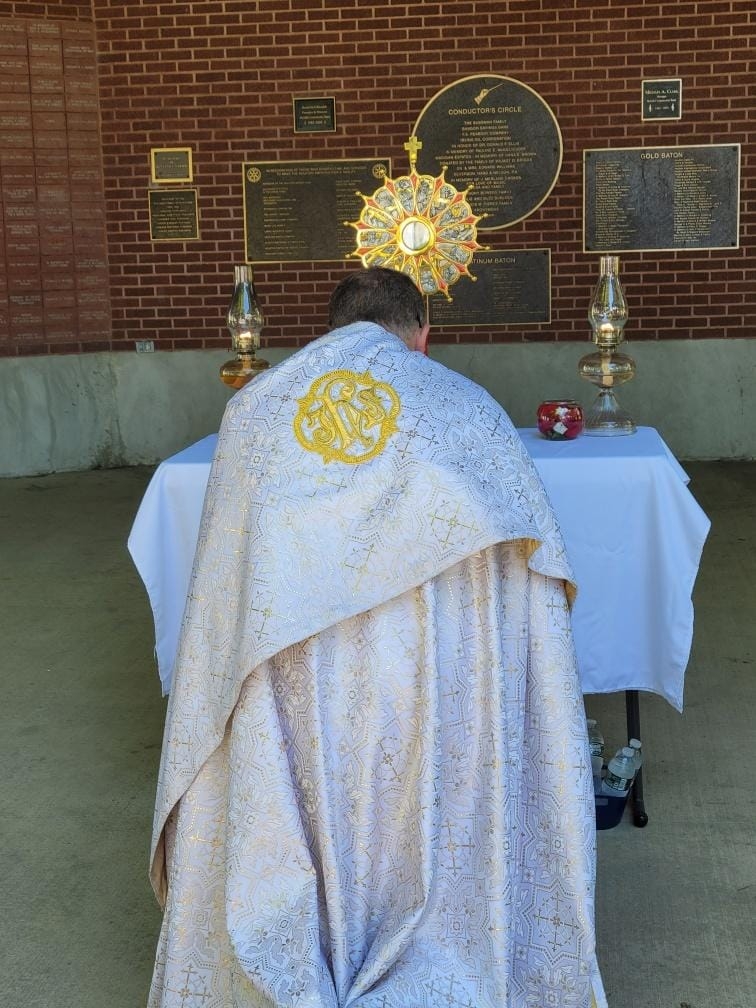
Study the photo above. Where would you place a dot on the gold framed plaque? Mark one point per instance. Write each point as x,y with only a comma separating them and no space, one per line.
171,164
173,215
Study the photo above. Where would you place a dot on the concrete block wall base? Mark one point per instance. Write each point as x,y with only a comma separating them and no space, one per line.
105,410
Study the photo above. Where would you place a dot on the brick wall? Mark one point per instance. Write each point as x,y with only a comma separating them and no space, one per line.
219,75
54,285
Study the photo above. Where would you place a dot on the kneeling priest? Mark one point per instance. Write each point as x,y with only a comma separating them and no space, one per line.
375,789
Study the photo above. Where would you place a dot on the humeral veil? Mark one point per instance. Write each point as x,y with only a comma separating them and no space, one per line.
375,789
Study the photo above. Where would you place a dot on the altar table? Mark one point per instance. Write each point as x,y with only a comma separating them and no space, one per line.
633,532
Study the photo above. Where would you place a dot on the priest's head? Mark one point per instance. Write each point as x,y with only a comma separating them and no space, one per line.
384,296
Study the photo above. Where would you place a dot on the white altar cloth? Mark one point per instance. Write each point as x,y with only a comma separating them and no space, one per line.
633,531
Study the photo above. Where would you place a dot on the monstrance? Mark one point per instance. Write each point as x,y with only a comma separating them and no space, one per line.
420,225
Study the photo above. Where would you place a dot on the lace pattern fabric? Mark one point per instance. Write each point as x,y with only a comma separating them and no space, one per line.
400,814
374,788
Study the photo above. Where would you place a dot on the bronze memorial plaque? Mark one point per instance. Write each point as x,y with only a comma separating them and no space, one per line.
171,164
641,199
173,214
498,135
512,286
295,211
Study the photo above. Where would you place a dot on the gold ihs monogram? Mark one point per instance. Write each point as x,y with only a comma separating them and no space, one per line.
347,417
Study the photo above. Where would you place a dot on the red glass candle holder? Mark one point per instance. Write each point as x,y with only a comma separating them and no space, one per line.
560,419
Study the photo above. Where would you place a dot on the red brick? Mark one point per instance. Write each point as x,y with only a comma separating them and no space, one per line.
219,77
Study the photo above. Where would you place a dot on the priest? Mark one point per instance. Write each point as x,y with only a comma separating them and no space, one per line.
375,790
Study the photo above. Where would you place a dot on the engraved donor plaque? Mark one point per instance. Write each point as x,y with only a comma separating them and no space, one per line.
639,199
294,211
497,135
512,286
314,115
662,99
173,214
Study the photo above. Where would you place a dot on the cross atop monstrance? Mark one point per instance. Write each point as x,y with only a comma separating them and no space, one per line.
412,146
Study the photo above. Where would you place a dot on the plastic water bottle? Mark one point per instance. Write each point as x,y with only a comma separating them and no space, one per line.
596,743
635,745
620,772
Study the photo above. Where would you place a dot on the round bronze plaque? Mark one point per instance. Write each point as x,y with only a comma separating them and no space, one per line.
497,135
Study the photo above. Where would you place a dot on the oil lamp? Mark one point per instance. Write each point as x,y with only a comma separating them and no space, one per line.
605,367
245,321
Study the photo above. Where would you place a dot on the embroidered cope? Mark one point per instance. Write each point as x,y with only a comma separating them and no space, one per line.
375,790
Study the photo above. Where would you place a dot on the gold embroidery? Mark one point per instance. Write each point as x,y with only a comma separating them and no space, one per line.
347,417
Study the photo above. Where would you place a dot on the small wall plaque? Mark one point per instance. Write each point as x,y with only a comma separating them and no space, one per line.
314,115
173,215
662,99
171,164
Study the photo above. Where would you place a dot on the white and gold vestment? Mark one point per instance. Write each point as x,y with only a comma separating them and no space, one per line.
375,790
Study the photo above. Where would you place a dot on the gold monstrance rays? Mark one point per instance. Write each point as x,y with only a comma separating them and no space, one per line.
420,225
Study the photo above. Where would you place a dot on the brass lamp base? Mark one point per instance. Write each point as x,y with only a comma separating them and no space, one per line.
243,368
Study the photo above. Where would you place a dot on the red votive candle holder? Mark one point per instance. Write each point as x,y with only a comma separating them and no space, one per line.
560,419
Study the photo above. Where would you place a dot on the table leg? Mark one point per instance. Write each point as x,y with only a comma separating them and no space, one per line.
632,711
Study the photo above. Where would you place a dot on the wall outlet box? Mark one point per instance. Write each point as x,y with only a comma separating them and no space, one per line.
144,346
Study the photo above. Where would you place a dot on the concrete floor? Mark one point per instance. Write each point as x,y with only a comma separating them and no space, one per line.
80,732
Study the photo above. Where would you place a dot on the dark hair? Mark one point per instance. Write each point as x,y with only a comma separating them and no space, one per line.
380,295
